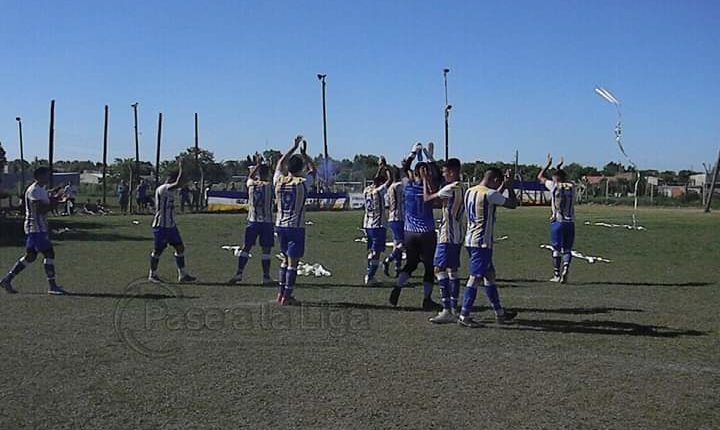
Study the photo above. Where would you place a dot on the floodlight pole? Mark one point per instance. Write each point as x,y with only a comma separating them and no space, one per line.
447,117
105,148
137,150
22,153
157,151
197,161
708,202
51,140
324,106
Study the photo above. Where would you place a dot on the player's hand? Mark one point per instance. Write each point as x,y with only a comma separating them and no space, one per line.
560,164
303,148
382,162
298,139
549,160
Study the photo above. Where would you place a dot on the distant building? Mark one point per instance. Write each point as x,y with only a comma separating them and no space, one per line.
90,177
672,191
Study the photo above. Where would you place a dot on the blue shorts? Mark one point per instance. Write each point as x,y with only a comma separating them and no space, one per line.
263,230
447,256
292,241
376,239
38,242
398,231
164,236
481,264
562,236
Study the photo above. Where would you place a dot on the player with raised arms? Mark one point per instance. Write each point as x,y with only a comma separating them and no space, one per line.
396,221
374,219
293,179
420,236
165,229
450,239
38,202
562,218
259,220
481,202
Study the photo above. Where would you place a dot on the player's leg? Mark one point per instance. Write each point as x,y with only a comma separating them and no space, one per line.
20,265
296,250
556,242
478,269
251,234
502,315
282,270
446,315
175,240
376,245
427,254
568,240
267,241
398,229
412,251
453,270
49,266
159,245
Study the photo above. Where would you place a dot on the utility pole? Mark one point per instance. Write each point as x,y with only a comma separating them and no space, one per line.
157,151
51,140
447,117
708,202
197,163
136,173
22,153
105,148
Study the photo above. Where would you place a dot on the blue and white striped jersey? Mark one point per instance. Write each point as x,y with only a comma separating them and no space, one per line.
164,207
35,220
480,205
418,213
452,226
291,193
260,200
374,206
562,202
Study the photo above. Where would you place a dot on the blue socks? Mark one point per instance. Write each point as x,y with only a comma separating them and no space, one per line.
492,294
468,300
291,277
154,262
454,290
17,268
282,274
265,265
372,267
49,265
242,261
445,290
427,289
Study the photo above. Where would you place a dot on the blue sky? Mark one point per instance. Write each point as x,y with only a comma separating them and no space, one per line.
522,76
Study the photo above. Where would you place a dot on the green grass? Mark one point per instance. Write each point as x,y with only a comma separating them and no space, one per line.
630,344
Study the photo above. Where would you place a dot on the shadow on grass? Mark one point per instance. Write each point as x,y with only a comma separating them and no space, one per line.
616,328
89,236
503,283
148,296
362,306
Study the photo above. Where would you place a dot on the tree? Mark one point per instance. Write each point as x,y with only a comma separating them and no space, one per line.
612,168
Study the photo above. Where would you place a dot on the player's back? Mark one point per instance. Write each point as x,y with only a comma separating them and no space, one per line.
35,219
291,192
562,201
374,207
418,213
452,226
480,211
395,202
164,207
260,200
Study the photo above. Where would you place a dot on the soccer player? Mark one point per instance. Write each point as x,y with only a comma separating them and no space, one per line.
165,230
562,219
292,182
259,220
481,202
450,240
396,222
38,202
420,236
374,222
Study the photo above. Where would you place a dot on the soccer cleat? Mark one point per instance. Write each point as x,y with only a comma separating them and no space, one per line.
386,268
5,283
266,280
429,305
506,317
444,317
289,301
236,279
395,296
155,279
279,298
186,278
564,276
555,278
370,282
56,291
468,322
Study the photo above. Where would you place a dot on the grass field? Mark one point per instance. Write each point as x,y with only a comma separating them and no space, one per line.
630,344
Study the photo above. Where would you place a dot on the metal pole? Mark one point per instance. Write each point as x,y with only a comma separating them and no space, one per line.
708,202
157,151
447,116
22,153
197,163
105,148
51,140
326,162
136,173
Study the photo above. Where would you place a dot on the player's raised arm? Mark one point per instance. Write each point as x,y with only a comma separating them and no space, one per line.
560,164
407,164
428,193
511,202
311,169
282,167
542,175
256,166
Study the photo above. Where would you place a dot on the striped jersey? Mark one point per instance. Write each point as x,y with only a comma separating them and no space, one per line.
291,193
418,213
374,206
452,226
164,207
480,205
35,220
562,201
395,202
260,200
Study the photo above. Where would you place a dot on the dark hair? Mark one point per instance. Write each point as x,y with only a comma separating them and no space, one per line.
561,174
263,170
41,171
173,175
395,173
493,172
295,164
419,166
453,164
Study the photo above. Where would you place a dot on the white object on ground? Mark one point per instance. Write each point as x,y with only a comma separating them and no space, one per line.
309,222
306,269
60,231
136,222
235,250
610,225
580,255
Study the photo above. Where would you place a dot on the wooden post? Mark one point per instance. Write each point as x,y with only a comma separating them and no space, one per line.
136,173
51,140
105,148
197,161
708,202
157,151
22,154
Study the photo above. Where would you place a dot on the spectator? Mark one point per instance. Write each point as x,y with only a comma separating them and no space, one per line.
123,196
